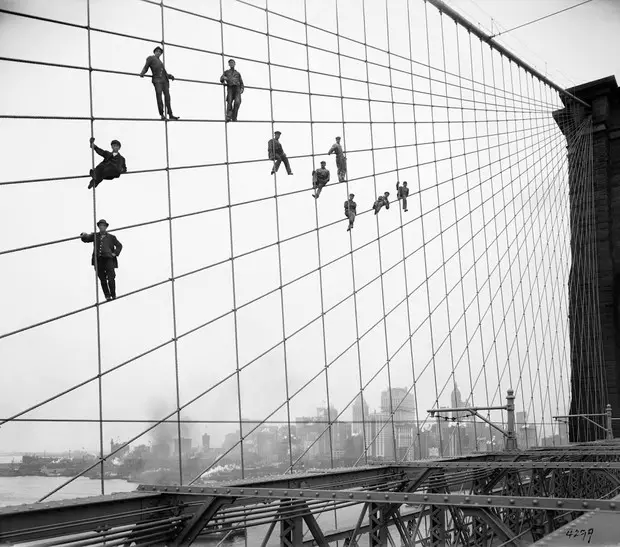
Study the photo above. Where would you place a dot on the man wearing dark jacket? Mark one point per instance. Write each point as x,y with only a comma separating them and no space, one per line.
234,87
350,210
402,192
276,153
112,166
381,202
106,250
161,81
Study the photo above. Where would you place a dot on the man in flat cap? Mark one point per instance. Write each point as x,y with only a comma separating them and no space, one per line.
161,81
276,153
112,166
320,177
106,250
381,202
350,210
402,192
234,88
341,160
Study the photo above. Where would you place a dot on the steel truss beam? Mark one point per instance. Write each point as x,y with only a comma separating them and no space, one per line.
391,497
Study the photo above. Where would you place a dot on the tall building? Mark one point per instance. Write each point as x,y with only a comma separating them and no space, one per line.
457,402
404,415
186,446
206,441
360,415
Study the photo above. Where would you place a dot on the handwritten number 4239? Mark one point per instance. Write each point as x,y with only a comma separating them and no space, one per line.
577,534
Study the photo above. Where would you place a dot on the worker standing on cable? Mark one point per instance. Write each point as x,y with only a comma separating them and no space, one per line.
112,166
341,160
106,250
234,88
381,202
402,192
276,153
320,177
161,81
350,210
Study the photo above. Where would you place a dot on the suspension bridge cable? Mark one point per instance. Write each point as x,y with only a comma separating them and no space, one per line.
515,236
540,18
224,315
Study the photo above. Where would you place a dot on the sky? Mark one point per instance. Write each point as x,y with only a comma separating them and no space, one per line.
485,239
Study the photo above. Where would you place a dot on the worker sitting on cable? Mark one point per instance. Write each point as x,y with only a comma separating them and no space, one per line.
276,153
341,160
320,178
112,166
350,210
106,250
402,192
161,81
381,201
234,88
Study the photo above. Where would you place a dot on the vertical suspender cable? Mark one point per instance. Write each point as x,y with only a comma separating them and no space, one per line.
232,267
318,243
458,245
374,179
280,290
428,294
172,277
470,398
354,284
96,261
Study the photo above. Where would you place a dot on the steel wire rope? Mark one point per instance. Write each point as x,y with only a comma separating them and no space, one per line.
278,242
467,184
556,321
565,345
510,349
501,176
477,284
423,233
218,164
402,231
158,347
546,400
250,432
445,279
376,374
95,254
531,405
374,180
496,393
172,276
375,48
538,357
488,151
518,328
184,47
426,366
141,38
400,209
334,306
235,310
365,418
465,311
